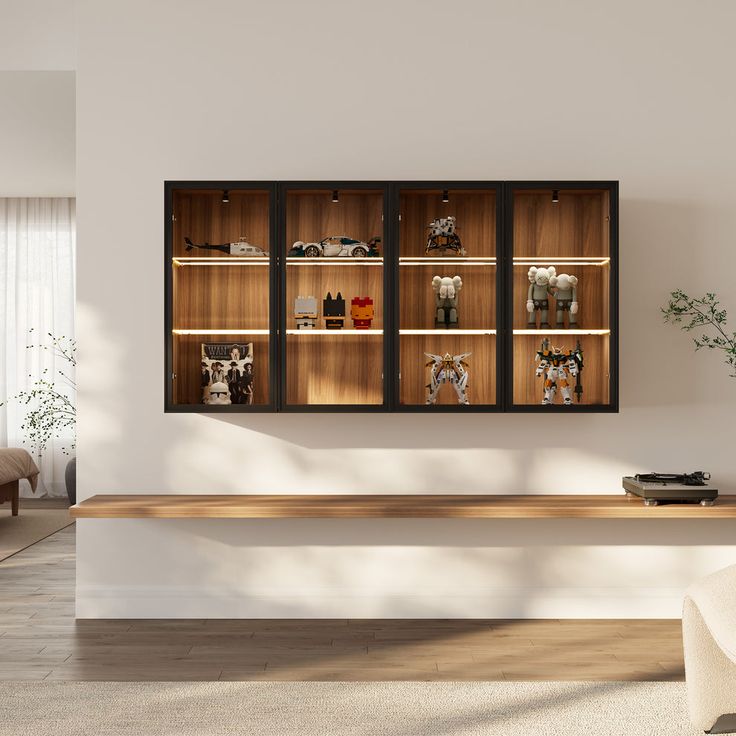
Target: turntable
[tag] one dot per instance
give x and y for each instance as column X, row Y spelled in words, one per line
column 657, row 488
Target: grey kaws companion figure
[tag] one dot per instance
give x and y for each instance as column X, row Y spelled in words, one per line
column 537, row 299
column 446, row 296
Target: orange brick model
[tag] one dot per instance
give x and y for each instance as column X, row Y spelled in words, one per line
column 362, row 312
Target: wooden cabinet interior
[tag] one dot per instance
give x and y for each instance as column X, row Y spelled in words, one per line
column 218, row 297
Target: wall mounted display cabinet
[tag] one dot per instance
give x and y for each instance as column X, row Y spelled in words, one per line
column 391, row 296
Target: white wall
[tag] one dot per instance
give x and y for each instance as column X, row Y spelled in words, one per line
column 340, row 89
column 37, row 134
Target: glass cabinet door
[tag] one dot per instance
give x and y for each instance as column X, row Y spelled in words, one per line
column 562, row 296
column 447, row 293
column 220, row 269
column 333, row 290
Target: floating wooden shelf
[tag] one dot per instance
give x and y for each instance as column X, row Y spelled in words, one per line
column 177, row 506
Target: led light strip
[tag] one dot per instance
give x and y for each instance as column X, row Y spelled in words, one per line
column 562, row 332
column 234, row 261
column 334, row 332
column 447, row 332
column 345, row 261
column 221, row 332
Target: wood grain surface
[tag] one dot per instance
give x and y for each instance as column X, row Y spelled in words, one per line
column 289, row 506
column 474, row 209
column 414, row 375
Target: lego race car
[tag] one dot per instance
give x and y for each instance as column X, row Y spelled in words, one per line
column 336, row 246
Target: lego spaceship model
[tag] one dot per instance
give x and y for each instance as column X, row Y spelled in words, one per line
column 448, row 369
column 443, row 237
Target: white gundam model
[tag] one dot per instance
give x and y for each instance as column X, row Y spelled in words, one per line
column 443, row 236
column 450, row 369
column 557, row 367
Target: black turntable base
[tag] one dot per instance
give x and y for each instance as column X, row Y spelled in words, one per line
column 656, row 488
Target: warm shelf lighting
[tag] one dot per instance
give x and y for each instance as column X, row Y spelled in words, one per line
column 562, row 332
column 232, row 261
column 221, row 332
column 336, row 261
column 445, row 196
column 563, row 261
column 447, row 332
column 334, row 332
column 459, row 261
column 335, row 197
column 225, row 197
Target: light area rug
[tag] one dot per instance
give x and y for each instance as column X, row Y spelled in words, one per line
column 30, row 526
column 344, row 709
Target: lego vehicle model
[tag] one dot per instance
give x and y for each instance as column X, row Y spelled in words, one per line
column 450, row 369
column 336, row 246
column 241, row 248
column 443, row 236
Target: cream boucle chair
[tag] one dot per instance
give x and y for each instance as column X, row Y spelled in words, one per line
column 709, row 638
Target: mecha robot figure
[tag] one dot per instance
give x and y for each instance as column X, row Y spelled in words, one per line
column 556, row 367
column 537, row 299
column 443, row 236
column 450, row 369
column 564, row 289
column 446, row 296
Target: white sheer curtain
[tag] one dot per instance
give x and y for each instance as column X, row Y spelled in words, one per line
column 37, row 287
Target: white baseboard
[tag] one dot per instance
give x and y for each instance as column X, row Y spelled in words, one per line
column 132, row 602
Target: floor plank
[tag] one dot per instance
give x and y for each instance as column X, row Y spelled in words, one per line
column 40, row 639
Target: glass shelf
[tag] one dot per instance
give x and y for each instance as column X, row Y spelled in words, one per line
column 216, row 261
column 334, row 332
column 562, row 331
column 335, row 261
column 221, row 332
column 447, row 332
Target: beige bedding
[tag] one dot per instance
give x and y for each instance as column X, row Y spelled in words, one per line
column 16, row 464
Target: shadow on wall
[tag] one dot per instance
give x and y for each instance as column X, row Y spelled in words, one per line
column 671, row 403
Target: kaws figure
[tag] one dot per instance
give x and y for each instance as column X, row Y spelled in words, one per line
column 564, row 288
column 362, row 312
column 446, row 296
column 450, row 369
column 537, row 299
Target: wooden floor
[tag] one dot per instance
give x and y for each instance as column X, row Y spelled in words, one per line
column 40, row 639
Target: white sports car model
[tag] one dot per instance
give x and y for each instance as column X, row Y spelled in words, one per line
column 336, row 245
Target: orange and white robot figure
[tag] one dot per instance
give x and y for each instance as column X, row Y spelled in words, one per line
column 557, row 367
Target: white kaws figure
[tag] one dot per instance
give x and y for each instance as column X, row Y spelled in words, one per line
column 537, row 299
column 446, row 296
column 564, row 288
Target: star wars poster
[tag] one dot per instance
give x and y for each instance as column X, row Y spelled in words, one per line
column 227, row 373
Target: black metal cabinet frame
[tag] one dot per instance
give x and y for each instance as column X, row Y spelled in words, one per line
column 278, row 310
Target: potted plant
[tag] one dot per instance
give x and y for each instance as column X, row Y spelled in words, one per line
column 50, row 410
